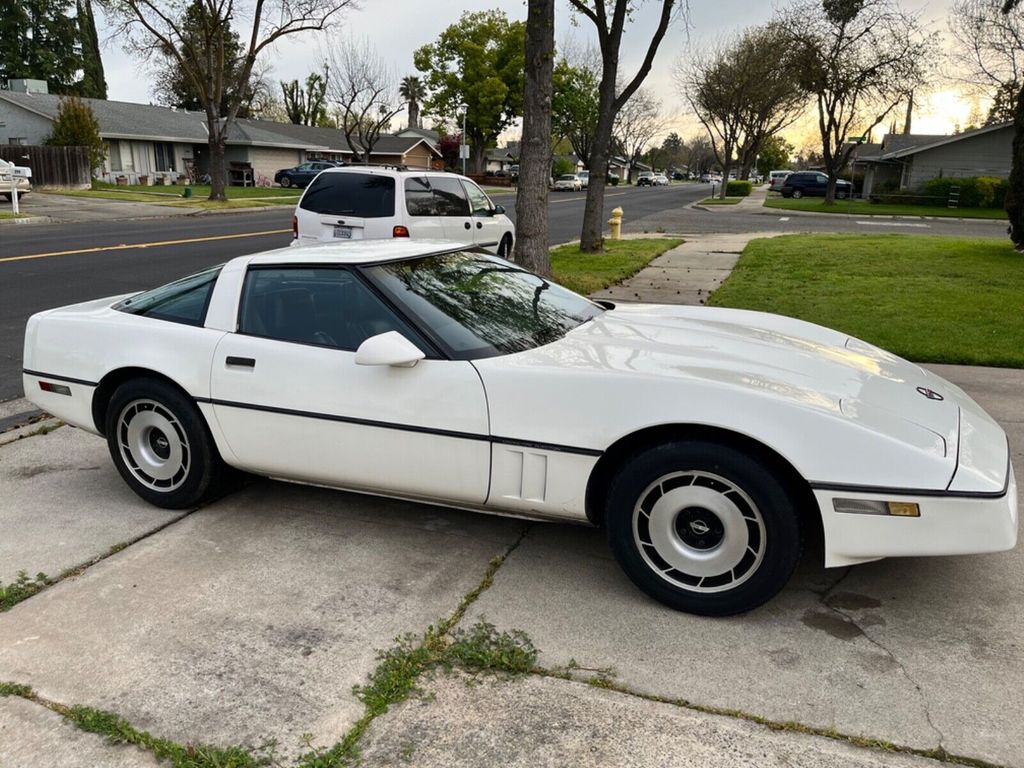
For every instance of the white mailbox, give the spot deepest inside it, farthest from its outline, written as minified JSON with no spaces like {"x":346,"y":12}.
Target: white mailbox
{"x":21,"y":172}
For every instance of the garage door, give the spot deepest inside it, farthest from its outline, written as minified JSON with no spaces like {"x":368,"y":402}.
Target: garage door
{"x":266,"y":161}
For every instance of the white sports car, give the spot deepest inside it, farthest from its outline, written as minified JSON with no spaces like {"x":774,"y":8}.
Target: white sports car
{"x":706,"y":441}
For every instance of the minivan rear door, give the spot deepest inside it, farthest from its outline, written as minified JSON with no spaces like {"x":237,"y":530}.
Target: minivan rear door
{"x":347,"y":205}
{"x":421,"y":205}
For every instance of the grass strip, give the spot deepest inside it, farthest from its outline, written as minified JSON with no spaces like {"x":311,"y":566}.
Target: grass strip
{"x":928,"y":299}
{"x":865,"y":208}
{"x":586,"y":273}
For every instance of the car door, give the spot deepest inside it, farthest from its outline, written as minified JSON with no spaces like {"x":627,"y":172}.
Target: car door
{"x":453,"y":207}
{"x":487,"y":228}
{"x":292,"y":402}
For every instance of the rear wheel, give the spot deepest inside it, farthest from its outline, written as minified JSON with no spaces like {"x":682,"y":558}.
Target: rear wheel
{"x":161,"y":446}
{"x":797,"y":194}
{"x":703,"y":527}
{"x":841,"y":194}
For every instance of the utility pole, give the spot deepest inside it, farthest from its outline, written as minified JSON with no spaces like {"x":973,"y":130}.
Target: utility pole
{"x":464,"y":148}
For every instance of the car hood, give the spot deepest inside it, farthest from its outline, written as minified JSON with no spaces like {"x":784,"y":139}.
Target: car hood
{"x":769,"y":356}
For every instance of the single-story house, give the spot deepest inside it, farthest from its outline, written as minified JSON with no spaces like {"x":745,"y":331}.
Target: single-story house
{"x":149,"y":144}
{"x":498,"y":160}
{"x":907,"y":161}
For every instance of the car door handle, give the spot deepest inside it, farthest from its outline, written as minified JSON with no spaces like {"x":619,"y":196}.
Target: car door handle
{"x":479,"y":225}
{"x":241,"y":362}
{"x":467,"y":225}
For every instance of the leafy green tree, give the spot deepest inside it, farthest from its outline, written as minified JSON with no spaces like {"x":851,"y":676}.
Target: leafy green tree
{"x":673,"y":150}
{"x":776,"y":155}
{"x":478,"y":62}
{"x":93,"y":84}
{"x":76,"y":126}
{"x":38,"y":39}
{"x":306,"y":105}
{"x":574,"y":105}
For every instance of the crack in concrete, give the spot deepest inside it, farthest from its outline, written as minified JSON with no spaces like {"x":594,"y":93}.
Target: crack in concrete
{"x":888,"y":652}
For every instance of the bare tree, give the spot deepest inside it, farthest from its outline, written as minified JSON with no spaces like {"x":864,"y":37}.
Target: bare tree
{"x":988,"y":56}
{"x":718,"y":90}
{"x":859,"y":59}
{"x":198,"y":36}
{"x":363,"y":89}
{"x":1015,"y":194}
{"x":609,"y":18}
{"x":531,"y":247}
{"x":637,"y":123}
{"x":700,"y":157}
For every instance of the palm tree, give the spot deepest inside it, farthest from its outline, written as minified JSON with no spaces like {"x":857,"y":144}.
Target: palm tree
{"x":413,"y":91}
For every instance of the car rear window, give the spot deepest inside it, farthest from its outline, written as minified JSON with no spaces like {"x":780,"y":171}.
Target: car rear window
{"x":365,"y":195}
{"x":183,"y":301}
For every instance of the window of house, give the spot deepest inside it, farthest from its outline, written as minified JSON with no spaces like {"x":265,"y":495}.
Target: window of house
{"x":164,"y":156}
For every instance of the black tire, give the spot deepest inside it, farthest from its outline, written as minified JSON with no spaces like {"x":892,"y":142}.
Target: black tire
{"x":286,"y":182}
{"x":797,"y":194}
{"x":756,"y":512}
{"x":841,"y":195}
{"x":505,"y":247}
{"x":170,"y":423}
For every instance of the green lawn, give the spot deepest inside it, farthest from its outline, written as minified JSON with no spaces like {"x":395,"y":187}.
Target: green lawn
{"x":198,"y":190}
{"x":720,"y":201}
{"x":929,"y":299}
{"x":12,"y":215}
{"x":863,"y":208}
{"x":238,"y":197}
{"x":589,"y":272}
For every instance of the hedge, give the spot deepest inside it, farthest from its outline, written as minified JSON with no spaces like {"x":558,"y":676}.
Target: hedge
{"x":975,"y":192}
{"x":739,"y":188}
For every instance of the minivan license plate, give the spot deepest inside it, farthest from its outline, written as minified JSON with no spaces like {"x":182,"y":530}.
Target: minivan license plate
{"x":344,"y":233}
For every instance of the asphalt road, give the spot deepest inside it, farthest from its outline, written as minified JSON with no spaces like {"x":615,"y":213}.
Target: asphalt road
{"x":69,"y":263}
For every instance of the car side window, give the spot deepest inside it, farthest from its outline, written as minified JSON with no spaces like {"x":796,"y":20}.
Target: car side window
{"x":419,"y":197}
{"x":449,"y":197}
{"x":478,"y":201}
{"x":322,"y":306}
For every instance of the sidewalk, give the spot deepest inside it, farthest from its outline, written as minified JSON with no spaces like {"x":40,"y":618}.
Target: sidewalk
{"x":687,"y":274}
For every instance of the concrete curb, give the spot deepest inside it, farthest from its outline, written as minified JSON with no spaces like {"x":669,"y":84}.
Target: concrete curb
{"x":765,"y":211}
{"x":27,"y":220}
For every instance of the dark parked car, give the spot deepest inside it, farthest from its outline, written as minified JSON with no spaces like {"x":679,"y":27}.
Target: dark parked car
{"x":301,"y":175}
{"x":813,"y":184}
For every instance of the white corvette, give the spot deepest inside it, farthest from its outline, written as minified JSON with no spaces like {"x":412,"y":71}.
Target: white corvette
{"x":706,"y":441}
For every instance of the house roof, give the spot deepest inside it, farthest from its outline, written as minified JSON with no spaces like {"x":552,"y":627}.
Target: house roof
{"x":423,"y":133}
{"x":500,"y":153}
{"x":147,"y":122}
{"x":912,"y":144}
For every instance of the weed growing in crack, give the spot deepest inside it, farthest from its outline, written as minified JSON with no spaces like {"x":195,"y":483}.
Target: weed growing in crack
{"x":483,"y":648}
{"x":117,"y":730}
{"x":15,"y":689}
{"x":21,"y":588}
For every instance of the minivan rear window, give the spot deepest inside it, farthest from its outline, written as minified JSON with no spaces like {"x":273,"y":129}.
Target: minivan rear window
{"x":364,"y":195}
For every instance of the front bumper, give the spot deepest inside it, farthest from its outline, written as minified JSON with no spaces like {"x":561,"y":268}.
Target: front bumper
{"x":950,"y":524}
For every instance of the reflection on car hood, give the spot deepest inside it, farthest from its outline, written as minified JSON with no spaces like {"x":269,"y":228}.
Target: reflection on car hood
{"x":769,"y":355}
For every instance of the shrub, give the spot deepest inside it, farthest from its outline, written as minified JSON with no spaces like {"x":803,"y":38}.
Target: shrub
{"x":975,"y":191}
{"x":76,"y":126}
{"x":738,"y":188}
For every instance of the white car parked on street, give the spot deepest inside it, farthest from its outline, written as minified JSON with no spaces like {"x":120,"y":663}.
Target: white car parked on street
{"x":706,"y":441}
{"x":369,"y":203}
{"x":568,"y":181}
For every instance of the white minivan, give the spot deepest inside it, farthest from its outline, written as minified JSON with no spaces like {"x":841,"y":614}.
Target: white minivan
{"x":369,"y":203}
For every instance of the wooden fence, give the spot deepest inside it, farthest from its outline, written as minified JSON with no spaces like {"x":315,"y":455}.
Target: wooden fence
{"x":61,"y":167}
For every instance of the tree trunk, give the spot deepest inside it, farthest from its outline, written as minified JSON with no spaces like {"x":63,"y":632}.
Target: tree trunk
{"x":218,"y":168}
{"x":830,"y":190}
{"x":1015,"y":194}
{"x":591,"y":237}
{"x":479,"y":154}
{"x":531,"y":248}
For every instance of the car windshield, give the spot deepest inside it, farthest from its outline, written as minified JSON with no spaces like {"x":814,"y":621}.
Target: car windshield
{"x":476,"y":305}
{"x":567,"y":177}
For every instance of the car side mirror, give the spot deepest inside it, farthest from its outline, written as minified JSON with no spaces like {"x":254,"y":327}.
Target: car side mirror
{"x":391,"y":348}
{"x":497,"y":210}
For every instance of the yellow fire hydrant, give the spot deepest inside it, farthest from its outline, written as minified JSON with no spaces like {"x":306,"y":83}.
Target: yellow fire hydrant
{"x":615,"y":222}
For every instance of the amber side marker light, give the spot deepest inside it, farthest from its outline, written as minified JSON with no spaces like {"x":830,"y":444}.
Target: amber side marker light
{"x":57,"y":389}
{"x":400,"y":231}
{"x":870,"y":507}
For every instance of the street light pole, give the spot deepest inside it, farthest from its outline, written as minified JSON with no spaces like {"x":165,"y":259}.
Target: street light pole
{"x":464,"y":149}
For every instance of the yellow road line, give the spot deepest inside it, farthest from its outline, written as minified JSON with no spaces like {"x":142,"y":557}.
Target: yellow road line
{"x":129,"y":246}
{"x":576,"y":199}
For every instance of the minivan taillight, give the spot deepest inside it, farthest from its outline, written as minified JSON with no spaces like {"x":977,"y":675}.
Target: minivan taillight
{"x":400,"y":231}
{"x":295,"y":227}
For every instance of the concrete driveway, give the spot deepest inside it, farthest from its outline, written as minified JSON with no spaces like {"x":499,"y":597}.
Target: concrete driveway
{"x":72,"y":208}
{"x":252,"y":619}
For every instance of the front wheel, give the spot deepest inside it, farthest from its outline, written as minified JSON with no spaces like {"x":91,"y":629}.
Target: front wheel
{"x":286,"y":182}
{"x":702,"y":527}
{"x":161,"y":446}
{"x":505,"y":247}
{"x":841,"y":195}
{"x":797,"y":194}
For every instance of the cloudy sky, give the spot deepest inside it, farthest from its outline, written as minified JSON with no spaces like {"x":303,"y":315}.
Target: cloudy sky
{"x":398,"y":27}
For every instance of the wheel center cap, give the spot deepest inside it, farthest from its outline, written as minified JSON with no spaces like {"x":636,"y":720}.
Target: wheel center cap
{"x":160,"y":444}
{"x":699,"y":528}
